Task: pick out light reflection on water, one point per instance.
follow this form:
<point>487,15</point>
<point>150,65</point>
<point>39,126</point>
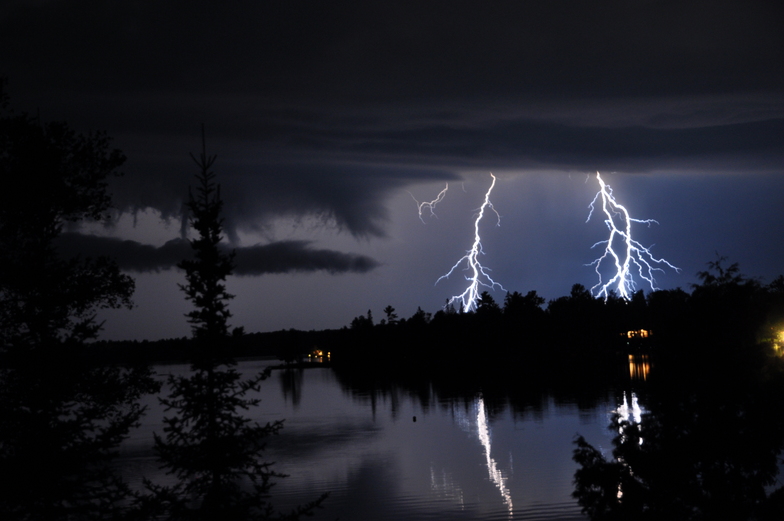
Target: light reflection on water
<point>630,413</point>
<point>458,460</point>
<point>639,367</point>
<point>496,475</point>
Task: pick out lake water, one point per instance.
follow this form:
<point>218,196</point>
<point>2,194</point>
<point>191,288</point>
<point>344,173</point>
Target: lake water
<point>399,455</point>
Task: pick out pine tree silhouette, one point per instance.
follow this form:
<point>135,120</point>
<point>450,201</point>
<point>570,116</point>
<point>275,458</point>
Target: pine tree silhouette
<point>212,449</point>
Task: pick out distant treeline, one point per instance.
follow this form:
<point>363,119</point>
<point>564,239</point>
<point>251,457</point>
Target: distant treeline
<point>285,344</point>
<point>719,317</point>
<point>725,313</point>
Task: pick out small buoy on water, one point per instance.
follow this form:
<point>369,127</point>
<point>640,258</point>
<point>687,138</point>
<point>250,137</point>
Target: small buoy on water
<point>414,418</point>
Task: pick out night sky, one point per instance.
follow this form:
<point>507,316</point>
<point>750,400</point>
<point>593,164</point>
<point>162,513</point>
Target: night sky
<point>329,121</point>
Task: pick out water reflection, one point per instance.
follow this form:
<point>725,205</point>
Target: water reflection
<point>711,451</point>
<point>454,462</point>
<point>496,475</point>
<point>356,439</point>
<point>443,485</point>
<point>626,415</point>
<point>629,413</point>
<point>639,367</point>
<point>291,384</point>
<point>473,419</point>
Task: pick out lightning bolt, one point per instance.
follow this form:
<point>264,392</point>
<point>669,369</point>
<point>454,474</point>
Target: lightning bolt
<point>479,276</point>
<point>430,205</point>
<point>633,254</point>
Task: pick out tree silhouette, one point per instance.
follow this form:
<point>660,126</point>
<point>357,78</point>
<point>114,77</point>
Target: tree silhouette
<point>708,446</point>
<point>701,452</point>
<point>63,416</point>
<point>208,445</point>
<point>486,305</point>
<point>391,315</point>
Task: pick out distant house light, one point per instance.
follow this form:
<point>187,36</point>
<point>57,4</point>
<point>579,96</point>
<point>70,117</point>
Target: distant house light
<point>638,333</point>
<point>778,342</point>
<point>317,355</point>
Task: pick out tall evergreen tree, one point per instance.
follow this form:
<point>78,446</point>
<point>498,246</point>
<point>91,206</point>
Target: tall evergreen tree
<point>212,449</point>
<point>62,416</point>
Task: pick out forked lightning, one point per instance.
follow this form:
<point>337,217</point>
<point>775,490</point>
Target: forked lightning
<point>631,254</point>
<point>479,276</point>
<point>430,205</point>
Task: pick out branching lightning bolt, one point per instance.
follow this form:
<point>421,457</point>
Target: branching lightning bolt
<point>479,276</point>
<point>430,205</point>
<point>633,253</point>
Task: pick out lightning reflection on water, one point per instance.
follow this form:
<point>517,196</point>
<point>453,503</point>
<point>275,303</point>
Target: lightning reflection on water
<point>496,475</point>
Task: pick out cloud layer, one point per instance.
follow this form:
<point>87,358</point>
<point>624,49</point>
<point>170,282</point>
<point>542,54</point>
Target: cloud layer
<point>277,257</point>
<point>325,110</point>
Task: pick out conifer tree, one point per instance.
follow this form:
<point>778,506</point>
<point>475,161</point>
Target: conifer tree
<point>208,445</point>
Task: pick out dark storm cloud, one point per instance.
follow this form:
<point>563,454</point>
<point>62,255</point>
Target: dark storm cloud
<point>277,257</point>
<point>334,173</point>
<point>288,256</point>
<point>348,196</point>
<point>323,109</point>
<point>342,171</point>
<point>403,49</point>
<point>130,255</point>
